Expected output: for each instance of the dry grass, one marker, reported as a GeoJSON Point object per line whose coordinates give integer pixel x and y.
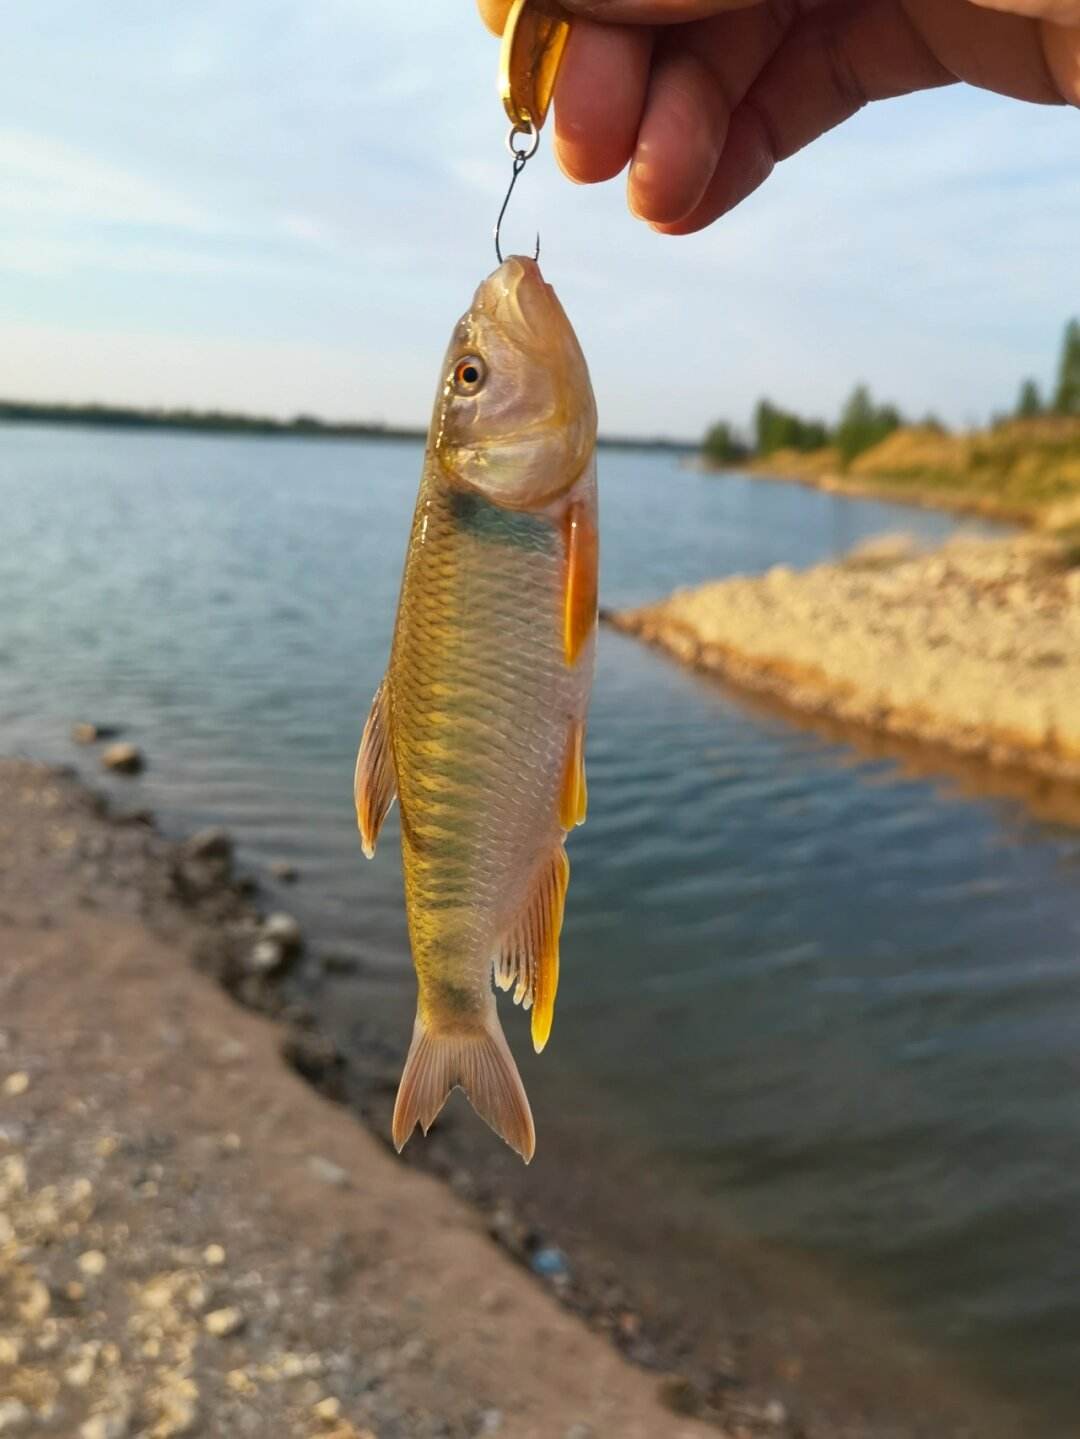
{"type": "Point", "coordinates": [1024, 469]}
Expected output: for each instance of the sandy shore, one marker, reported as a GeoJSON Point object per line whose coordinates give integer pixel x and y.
{"type": "Point", "coordinates": [192, 1240]}
{"type": "Point", "coordinates": [973, 648]}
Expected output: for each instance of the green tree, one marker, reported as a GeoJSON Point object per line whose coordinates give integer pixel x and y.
{"type": "Point", "coordinates": [1067, 396]}
{"type": "Point", "coordinates": [722, 445]}
{"type": "Point", "coordinates": [777, 429]}
{"type": "Point", "coordinates": [1030, 404]}
{"type": "Point", "coordinates": [863, 424]}
{"type": "Point", "coordinates": [770, 431]}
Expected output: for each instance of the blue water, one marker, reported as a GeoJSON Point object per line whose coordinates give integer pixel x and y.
{"type": "Point", "coordinates": [838, 1001]}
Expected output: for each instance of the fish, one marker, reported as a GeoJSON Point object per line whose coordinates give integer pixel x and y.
{"type": "Point", "coordinates": [478, 727]}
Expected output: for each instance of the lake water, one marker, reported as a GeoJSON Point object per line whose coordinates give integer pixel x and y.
{"type": "Point", "coordinates": [836, 1002]}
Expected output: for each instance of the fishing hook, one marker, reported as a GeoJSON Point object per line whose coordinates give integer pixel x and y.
{"type": "Point", "coordinates": [522, 155]}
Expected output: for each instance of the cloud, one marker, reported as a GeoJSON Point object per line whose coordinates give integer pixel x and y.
{"type": "Point", "coordinates": [321, 181]}
{"type": "Point", "coordinates": [41, 177]}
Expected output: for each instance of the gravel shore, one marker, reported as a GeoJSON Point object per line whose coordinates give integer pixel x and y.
{"type": "Point", "coordinates": [194, 1241]}
{"type": "Point", "coordinates": [972, 648]}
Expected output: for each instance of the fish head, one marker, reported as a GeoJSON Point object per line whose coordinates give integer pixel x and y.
{"type": "Point", "coordinates": [515, 417]}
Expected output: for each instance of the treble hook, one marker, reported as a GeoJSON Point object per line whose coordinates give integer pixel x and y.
{"type": "Point", "coordinates": [522, 156]}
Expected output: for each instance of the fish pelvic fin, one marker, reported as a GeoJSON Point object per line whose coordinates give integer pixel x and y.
{"type": "Point", "coordinates": [476, 1060]}
{"type": "Point", "coordinates": [528, 958]}
{"type": "Point", "coordinates": [374, 784]}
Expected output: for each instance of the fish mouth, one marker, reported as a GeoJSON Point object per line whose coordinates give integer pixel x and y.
{"type": "Point", "coordinates": [521, 302]}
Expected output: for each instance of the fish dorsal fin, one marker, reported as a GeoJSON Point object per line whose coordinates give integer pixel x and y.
{"type": "Point", "coordinates": [579, 596]}
{"type": "Point", "coordinates": [574, 795]}
{"type": "Point", "coordinates": [374, 786]}
{"type": "Point", "coordinates": [528, 957]}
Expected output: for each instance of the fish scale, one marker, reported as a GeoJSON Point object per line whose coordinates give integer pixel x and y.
{"type": "Point", "coordinates": [472, 659]}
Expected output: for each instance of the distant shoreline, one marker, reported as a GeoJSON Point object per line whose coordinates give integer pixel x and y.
{"type": "Point", "coordinates": [228, 422]}
{"type": "Point", "coordinates": [985, 507]}
{"type": "Point", "coordinates": [1023, 471]}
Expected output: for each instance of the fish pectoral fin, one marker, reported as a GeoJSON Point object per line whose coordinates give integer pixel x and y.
{"type": "Point", "coordinates": [574, 795]}
{"type": "Point", "coordinates": [475, 1059]}
{"type": "Point", "coordinates": [374, 785]}
{"type": "Point", "coordinates": [528, 957]}
{"type": "Point", "coordinates": [581, 578]}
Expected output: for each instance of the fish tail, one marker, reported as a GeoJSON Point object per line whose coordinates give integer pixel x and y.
{"type": "Point", "coordinates": [477, 1060]}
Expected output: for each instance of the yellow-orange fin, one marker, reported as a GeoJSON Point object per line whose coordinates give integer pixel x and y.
{"type": "Point", "coordinates": [582, 561]}
{"type": "Point", "coordinates": [574, 795]}
{"type": "Point", "coordinates": [528, 958]}
{"type": "Point", "coordinates": [476, 1060]}
{"type": "Point", "coordinates": [374, 785]}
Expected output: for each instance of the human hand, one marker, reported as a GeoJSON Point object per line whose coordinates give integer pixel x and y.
{"type": "Point", "coordinates": [703, 97]}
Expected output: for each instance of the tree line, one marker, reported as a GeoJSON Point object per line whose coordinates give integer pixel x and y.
{"type": "Point", "coordinates": [864, 422]}
{"type": "Point", "coordinates": [1064, 398]}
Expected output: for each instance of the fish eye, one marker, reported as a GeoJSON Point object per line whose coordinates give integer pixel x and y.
{"type": "Point", "coordinates": [470, 373]}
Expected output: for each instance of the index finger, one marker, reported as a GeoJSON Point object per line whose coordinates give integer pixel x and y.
{"type": "Point", "coordinates": [494, 13]}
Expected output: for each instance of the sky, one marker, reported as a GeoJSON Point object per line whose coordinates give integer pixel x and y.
{"type": "Point", "coordinates": [283, 207]}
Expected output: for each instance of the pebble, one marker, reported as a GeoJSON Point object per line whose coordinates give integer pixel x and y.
{"type": "Point", "coordinates": [123, 758]}
{"type": "Point", "coordinates": [267, 957]}
{"type": "Point", "coordinates": [16, 1084]}
{"type": "Point", "coordinates": [79, 1374]}
{"type": "Point", "coordinates": [281, 869]}
{"type": "Point", "coordinates": [14, 1416]}
{"type": "Point", "coordinates": [490, 1422]}
{"type": "Point", "coordinates": [92, 1262]}
{"type": "Point", "coordinates": [106, 1426]}
{"type": "Point", "coordinates": [328, 1171]}
{"type": "Point", "coordinates": [327, 1409]}
{"type": "Point", "coordinates": [214, 842]}
{"type": "Point", "coordinates": [222, 1323]}
{"type": "Point", "coordinates": [12, 1177]}
{"type": "Point", "coordinates": [213, 1255]}
{"type": "Point", "coordinates": [549, 1262]}
{"type": "Point", "coordinates": [283, 930]}
{"type": "Point", "coordinates": [33, 1302]}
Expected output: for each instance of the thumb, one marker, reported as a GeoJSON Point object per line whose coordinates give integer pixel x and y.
{"type": "Point", "coordinates": [494, 13]}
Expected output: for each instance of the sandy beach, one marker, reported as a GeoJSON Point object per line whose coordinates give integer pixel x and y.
{"type": "Point", "coordinates": [973, 648]}
{"type": "Point", "coordinates": [194, 1241]}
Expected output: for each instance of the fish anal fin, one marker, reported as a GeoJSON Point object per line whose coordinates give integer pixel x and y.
{"type": "Point", "coordinates": [582, 560]}
{"type": "Point", "coordinates": [528, 958]}
{"type": "Point", "coordinates": [374, 785]}
{"type": "Point", "coordinates": [574, 795]}
{"type": "Point", "coordinates": [475, 1059]}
